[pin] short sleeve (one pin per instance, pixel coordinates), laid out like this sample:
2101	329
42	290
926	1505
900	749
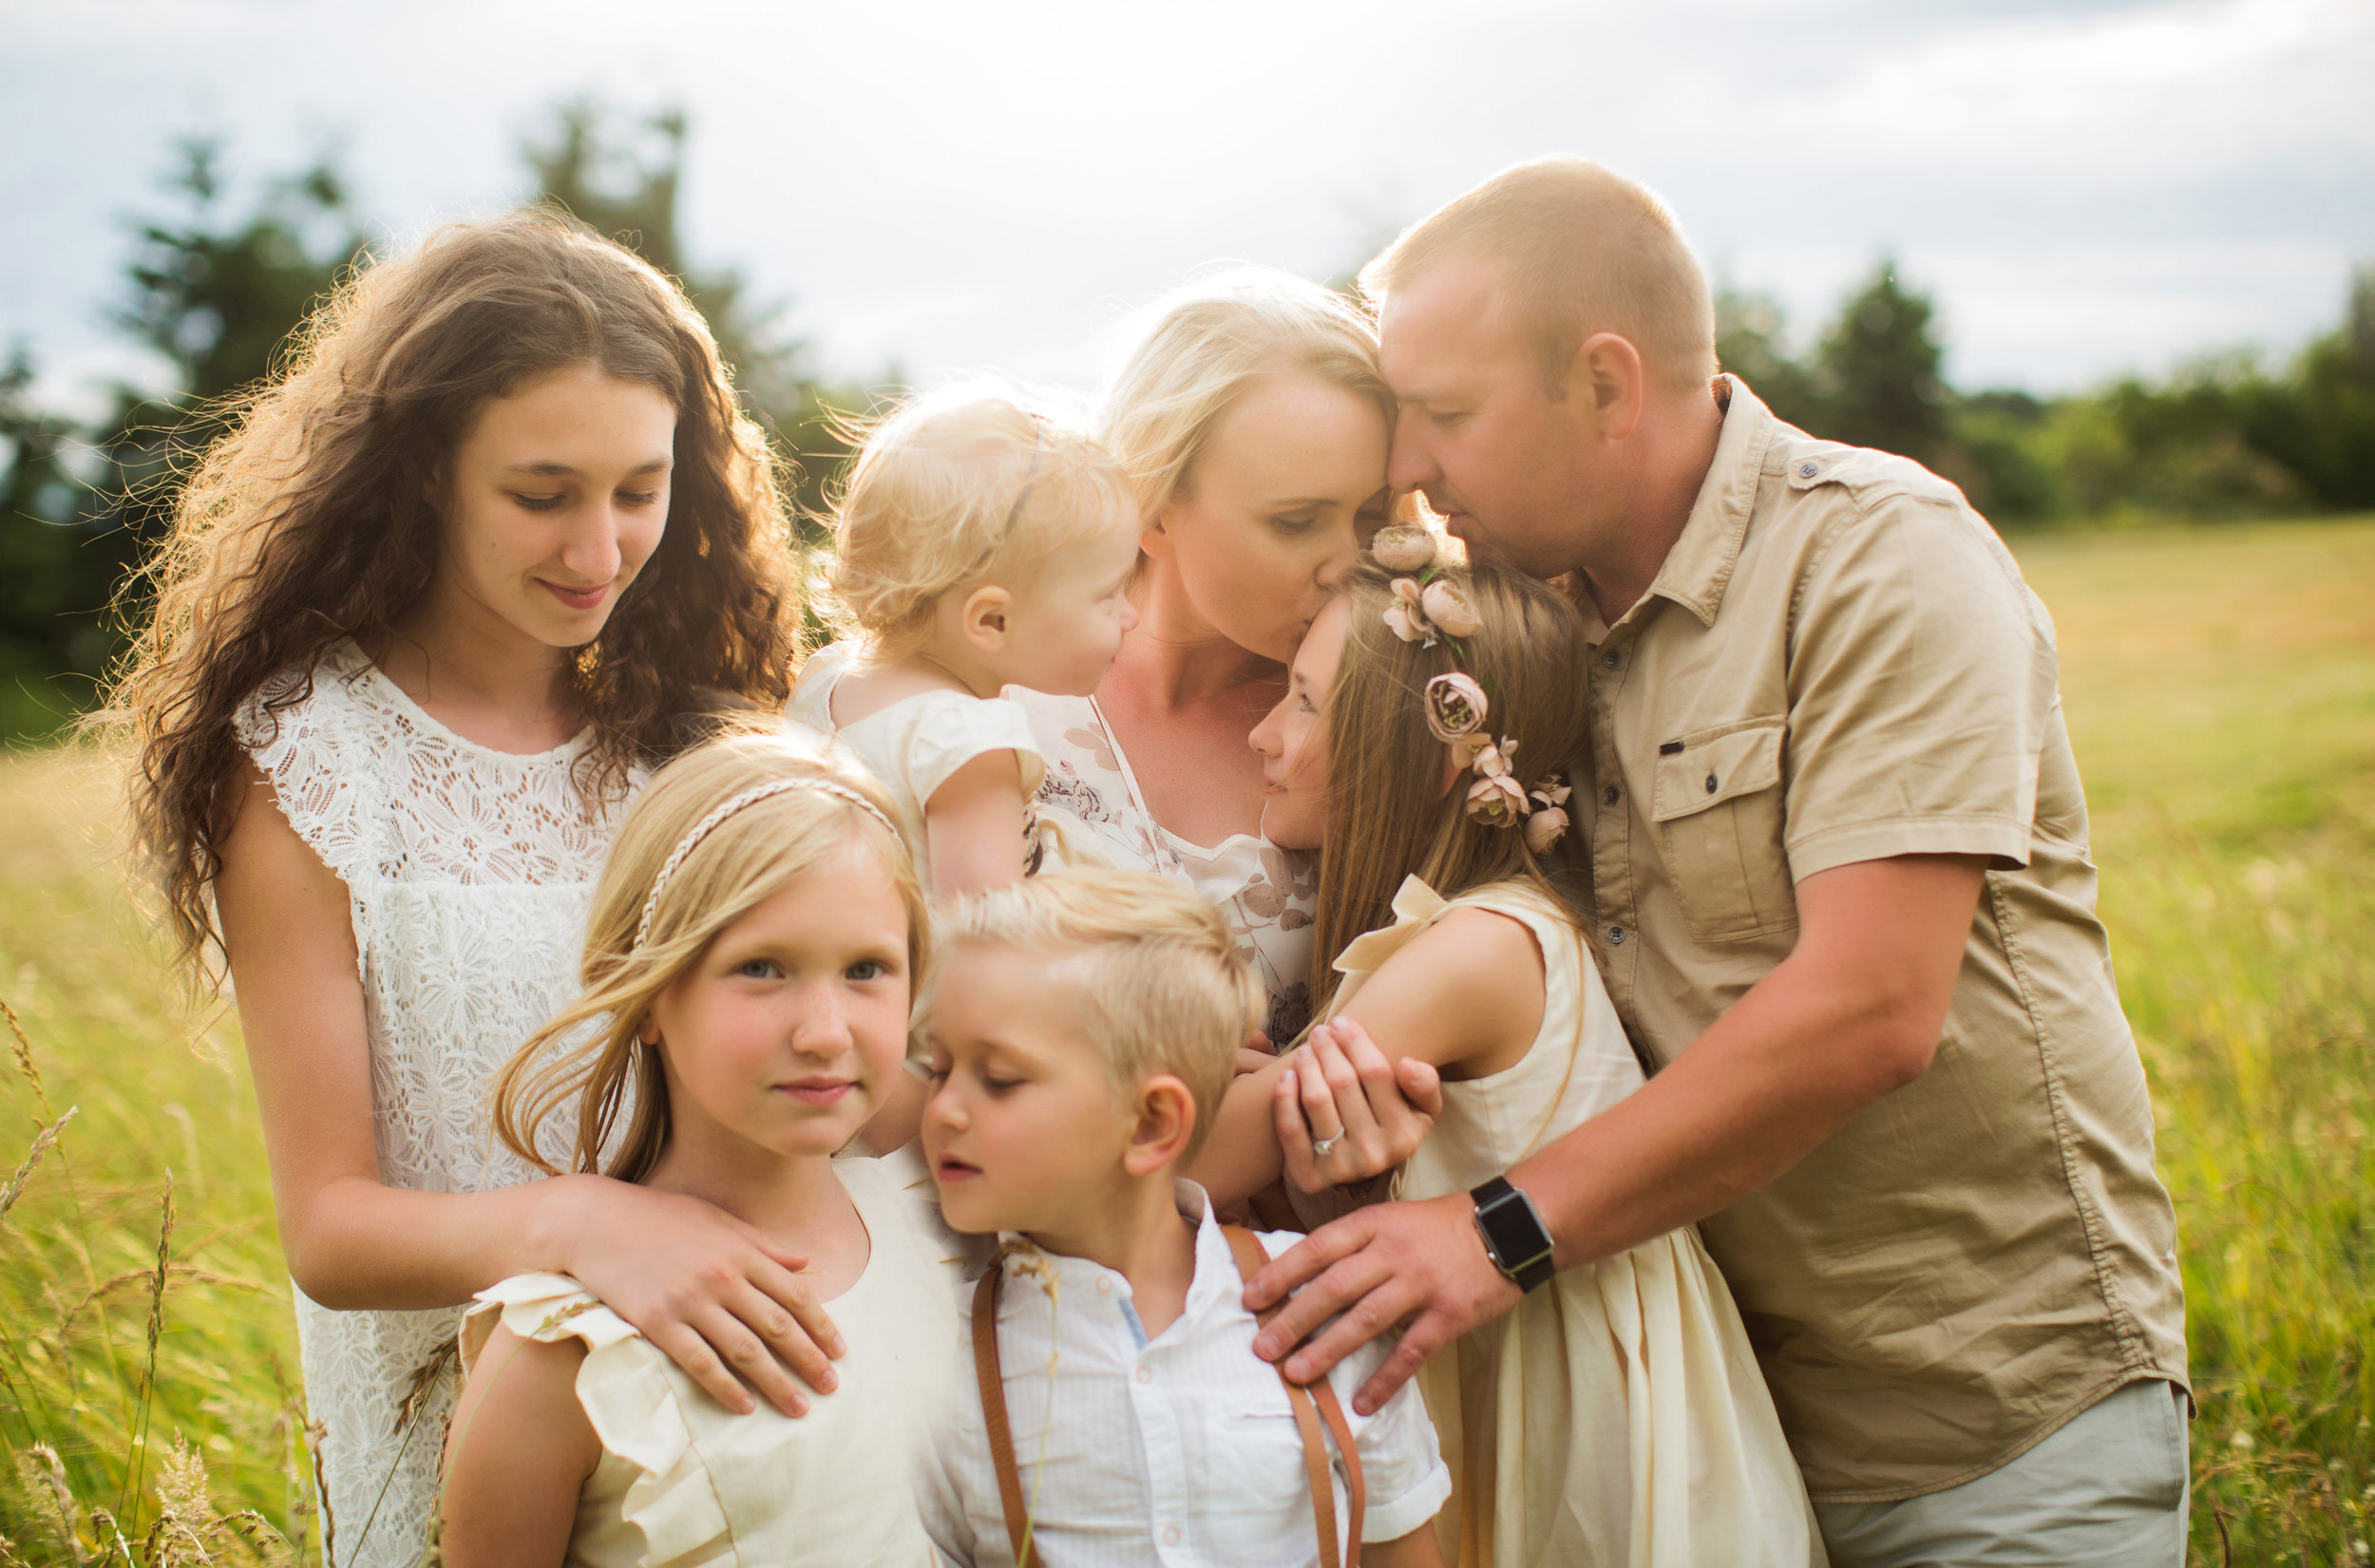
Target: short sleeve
952	729
624	1390
1401	1465
1922	682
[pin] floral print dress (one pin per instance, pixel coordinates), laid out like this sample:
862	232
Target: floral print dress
1267	894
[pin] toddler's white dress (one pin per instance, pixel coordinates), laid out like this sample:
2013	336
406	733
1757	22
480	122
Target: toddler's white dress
1618	1415
469	875
916	745
685	1482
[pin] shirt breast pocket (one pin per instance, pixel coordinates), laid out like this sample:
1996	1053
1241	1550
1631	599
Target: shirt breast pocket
1716	804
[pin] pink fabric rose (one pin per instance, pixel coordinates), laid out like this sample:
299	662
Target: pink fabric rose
1404	617
1404	547
1497	801
1546	826
1456	705
1447	606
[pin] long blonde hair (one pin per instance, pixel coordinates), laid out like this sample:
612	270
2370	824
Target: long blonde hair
316	519
1389	816
589	1056
969	484
1209	342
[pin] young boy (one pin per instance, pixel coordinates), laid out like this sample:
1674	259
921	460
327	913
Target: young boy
1083	1028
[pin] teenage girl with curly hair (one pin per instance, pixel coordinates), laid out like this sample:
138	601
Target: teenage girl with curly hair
488	549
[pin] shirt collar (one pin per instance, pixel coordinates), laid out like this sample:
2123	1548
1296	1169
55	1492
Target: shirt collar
1216	1281
1699	568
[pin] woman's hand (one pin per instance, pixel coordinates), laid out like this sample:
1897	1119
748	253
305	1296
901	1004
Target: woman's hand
724	1303
1372	1113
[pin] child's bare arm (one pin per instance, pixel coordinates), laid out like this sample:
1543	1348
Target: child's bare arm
1466	994
1418	1549
973	826
517	1455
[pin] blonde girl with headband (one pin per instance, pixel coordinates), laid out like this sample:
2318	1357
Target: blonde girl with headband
489	549
756	937
979	544
1617	1415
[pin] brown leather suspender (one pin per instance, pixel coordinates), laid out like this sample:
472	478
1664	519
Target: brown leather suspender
1321	1394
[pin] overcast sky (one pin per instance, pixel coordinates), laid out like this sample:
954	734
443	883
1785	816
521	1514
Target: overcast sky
2086	188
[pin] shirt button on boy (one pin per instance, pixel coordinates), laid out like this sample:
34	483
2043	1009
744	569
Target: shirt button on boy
1146	1374
1170	1535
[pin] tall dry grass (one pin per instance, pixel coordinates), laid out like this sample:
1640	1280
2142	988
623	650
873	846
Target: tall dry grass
2220	686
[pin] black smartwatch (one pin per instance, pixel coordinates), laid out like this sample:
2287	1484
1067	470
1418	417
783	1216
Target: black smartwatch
1514	1237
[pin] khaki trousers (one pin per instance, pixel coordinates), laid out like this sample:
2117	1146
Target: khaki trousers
2108	1490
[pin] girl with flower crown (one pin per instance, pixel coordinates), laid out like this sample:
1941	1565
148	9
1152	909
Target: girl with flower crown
1617	1415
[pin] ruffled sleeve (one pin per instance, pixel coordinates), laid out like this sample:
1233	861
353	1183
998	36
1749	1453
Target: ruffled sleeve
636	1410
950	729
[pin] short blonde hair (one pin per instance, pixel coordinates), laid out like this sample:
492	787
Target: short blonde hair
972	483
746	860
1581	250
1207	343
1164	988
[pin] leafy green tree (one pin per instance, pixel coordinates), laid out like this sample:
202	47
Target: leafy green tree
2320	422
215	296
1877	371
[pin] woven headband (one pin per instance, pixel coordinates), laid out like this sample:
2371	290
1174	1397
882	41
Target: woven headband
707	825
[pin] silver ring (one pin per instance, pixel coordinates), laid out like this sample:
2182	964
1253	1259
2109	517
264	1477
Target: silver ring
1320	1146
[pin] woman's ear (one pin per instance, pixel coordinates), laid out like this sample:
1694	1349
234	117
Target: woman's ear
1166	1124
1155	532
982	619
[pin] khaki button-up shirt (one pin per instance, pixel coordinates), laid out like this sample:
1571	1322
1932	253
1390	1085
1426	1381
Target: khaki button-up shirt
1840	661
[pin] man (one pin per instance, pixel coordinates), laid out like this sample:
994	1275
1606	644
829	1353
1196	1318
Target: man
1839	891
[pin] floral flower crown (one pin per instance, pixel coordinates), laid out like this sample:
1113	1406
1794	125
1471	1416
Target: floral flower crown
1430	608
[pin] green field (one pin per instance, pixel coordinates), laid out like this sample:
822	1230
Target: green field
2220	685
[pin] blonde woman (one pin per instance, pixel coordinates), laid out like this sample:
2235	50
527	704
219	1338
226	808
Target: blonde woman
1252	423
756	937
428	614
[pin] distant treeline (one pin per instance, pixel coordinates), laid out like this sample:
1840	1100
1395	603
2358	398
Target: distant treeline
216	295
2226	436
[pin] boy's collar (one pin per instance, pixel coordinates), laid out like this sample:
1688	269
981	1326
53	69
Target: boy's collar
1216	1267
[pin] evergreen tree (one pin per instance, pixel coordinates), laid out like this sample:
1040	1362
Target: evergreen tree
1748	343
1878	368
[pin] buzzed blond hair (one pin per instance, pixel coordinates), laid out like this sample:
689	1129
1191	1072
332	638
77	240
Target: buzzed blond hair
1580	249
1162	989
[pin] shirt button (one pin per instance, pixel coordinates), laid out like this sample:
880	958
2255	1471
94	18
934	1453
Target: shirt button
1808	470
1170	1535
1611	794
1616	936
1711	783
1146	1374
1105	1284
1610	659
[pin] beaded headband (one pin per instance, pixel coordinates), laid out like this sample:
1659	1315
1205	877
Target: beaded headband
707	825
1430	608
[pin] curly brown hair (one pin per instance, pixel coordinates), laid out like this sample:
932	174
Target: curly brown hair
314	518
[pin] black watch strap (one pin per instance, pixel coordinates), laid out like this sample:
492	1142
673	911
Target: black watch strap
1514	1235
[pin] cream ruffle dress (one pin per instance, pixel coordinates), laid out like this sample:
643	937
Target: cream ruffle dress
683	1481
915	746
1617	1416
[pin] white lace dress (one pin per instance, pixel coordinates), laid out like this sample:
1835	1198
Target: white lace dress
468	875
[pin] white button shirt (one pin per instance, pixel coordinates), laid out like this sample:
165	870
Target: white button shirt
1180	1451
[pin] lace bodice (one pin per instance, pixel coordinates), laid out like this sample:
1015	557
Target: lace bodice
469	873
